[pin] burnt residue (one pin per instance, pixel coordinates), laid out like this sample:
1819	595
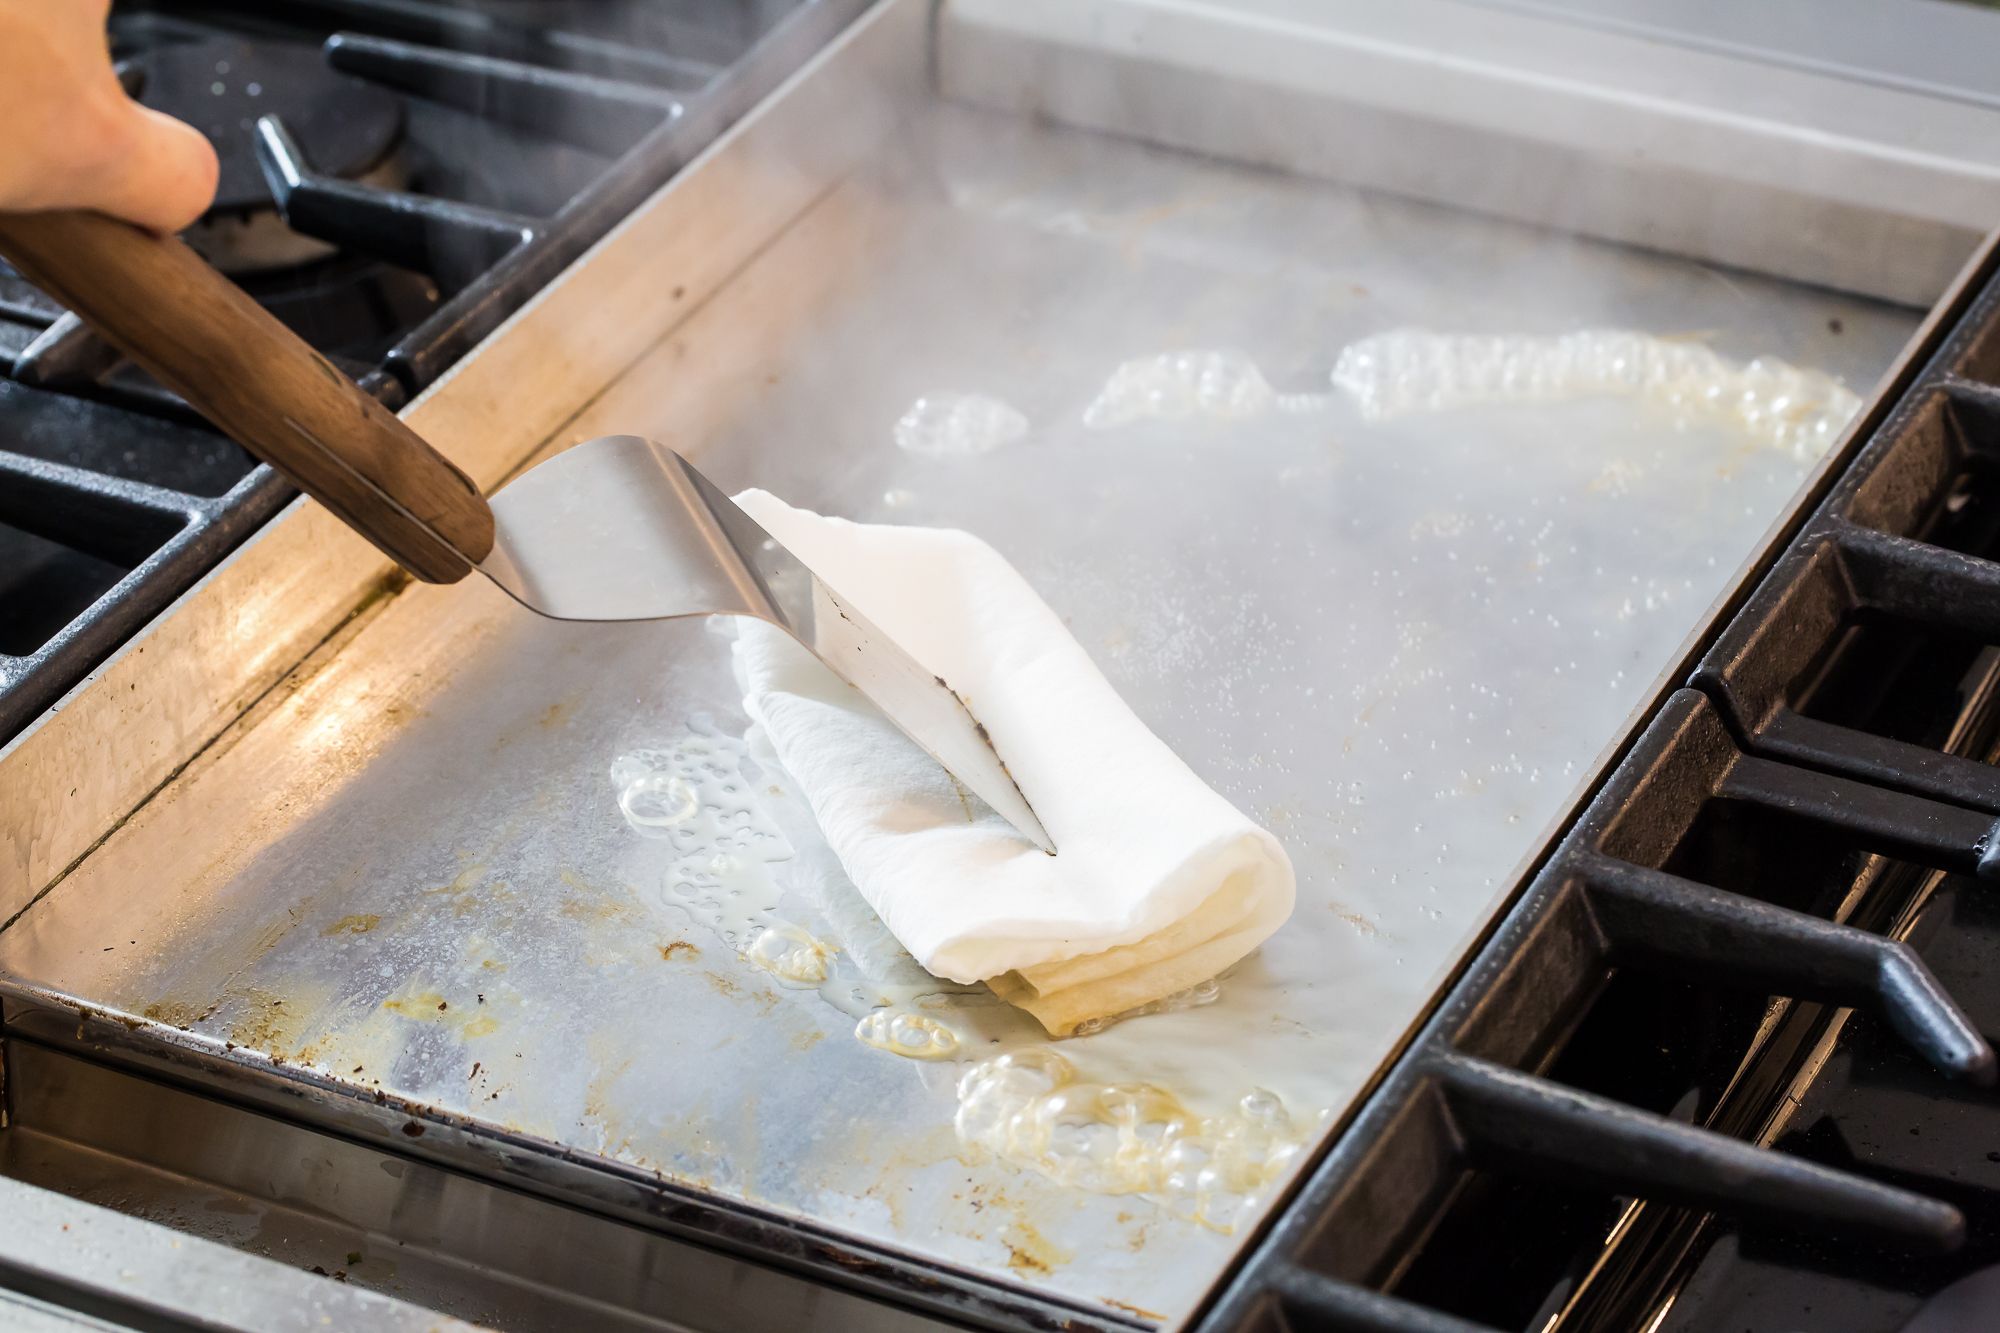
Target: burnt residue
182	1016
88	1014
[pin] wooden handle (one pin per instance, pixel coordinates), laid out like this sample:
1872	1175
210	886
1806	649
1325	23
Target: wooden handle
197	333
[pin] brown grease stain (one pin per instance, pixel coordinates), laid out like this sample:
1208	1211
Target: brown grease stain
359	923
269	1025
668	951
595	905
1138	1310
1029	1251
431	1007
468	895
176	1014
426	1005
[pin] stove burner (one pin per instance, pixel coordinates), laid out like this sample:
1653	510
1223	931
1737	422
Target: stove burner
221	85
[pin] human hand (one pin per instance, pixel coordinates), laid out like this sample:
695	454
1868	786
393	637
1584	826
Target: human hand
73	139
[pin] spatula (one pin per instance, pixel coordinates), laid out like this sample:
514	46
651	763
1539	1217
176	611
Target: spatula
618	528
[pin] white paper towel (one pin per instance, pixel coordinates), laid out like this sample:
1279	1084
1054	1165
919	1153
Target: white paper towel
1158	883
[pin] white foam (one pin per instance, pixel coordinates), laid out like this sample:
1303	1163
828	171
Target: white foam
958	425
1029	1108
1217	384
1127	1107
1801	412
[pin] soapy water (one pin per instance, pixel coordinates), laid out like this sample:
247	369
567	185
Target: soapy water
791	955
958	425
1176	386
1798	411
654	802
702	797
711	798
696	796
912	1036
1029	1108
705	799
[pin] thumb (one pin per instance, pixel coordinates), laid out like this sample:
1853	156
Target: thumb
163	175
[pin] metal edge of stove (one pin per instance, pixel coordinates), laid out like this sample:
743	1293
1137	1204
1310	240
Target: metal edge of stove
1938	52
390	1217
52	1277
60	502
1270	1287
286	1115
204	660
1807	173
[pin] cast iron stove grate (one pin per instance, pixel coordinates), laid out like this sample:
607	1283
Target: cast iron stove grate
1724	1063
398	177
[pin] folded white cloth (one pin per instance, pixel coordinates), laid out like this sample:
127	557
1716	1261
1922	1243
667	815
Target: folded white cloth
1158	883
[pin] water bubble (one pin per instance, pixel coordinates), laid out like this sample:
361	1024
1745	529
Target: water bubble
1029	1108
653	802
914	1036
955	425
790	954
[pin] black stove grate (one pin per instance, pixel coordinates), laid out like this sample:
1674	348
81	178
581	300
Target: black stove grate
1683	1084
445	163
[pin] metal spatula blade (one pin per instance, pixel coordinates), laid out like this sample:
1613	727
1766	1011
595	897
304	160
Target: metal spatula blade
622	528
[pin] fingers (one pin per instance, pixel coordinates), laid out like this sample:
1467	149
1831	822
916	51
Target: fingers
71	138
162	174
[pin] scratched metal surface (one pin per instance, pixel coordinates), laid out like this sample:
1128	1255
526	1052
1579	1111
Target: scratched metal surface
1400	645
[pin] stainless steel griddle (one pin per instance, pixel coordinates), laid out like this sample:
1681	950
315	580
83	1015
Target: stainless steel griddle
411	919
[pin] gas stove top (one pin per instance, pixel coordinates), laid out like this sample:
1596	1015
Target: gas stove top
1720	1061
397	179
